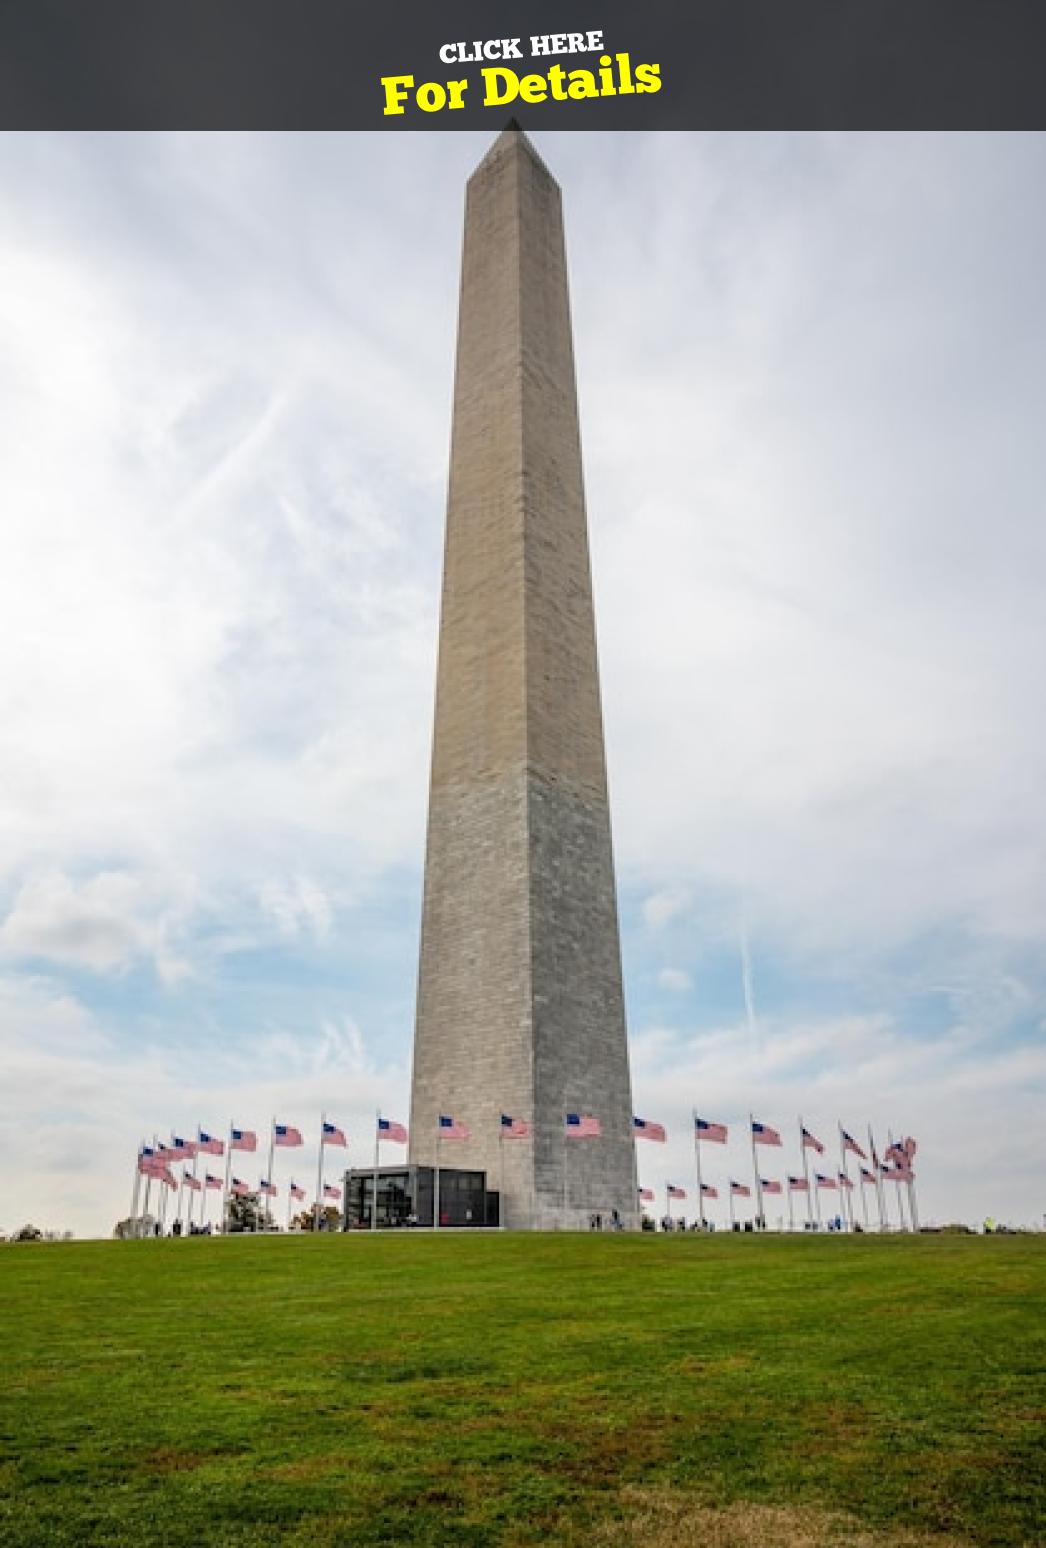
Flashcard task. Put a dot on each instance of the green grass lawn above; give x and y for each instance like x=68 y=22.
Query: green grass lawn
x=476 y=1389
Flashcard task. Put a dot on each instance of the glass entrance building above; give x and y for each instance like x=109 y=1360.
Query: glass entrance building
x=405 y=1197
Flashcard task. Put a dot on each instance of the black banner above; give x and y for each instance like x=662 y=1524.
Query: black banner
x=597 y=64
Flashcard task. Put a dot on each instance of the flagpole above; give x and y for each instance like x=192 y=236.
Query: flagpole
x=195 y=1160
x=791 y=1221
x=566 y=1153
x=864 y=1198
x=501 y=1173
x=700 y=1189
x=149 y=1183
x=730 y=1197
x=897 y=1184
x=435 y=1190
x=806 y=1173
x=134 y=1193
x=374 y=1195
x=225 y=1190
x=843 y=1189
x=319 y=1177
x=912 y=1207
x=290 y=1201
x=760 y=1218
x=268 y=1175
x=874 y=1159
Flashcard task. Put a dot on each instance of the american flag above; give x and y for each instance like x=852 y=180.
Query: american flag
x=762 y=1134
x=450 y=1128
x=866 y=1175
x=825 y=1182
x=514 y=1128
x=269 y=1189
x=716 y=1132
x=811 y=1142
x=581 y=1126
x=286 y=1134
x=849 y=1143
x=213 y=1182
x=182 y=1149
x=676 y=1193
x=297 y=1192
x=647 y=1195
x=844 y=1181
x=168 y=1177
x=164 y=1154
x=708 y=1192
x=148 y=1161
x=650 y=1131
x=192 y=1182
x=243 y=1139
x=388 y=1129
x=798 y=1185
x=330 y=1192
x=769 y=1187
x=740 y=1190
x=332 y=1135
x=207 y=1145
x=240 y=1189
x=898 y=1174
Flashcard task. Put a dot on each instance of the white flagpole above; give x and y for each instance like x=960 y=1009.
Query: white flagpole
x=806 y=1174
x=760 y=1219
x=791 y=1222
x=668 y=1205
x=566 y=1152
x=864 y=1198
x=700 y=1189
x=290 y=1201
x=843 y=1189
x=730 y=1197
x=374 y=1195
x=225 y=1190
x=195 y=1160
x=873 y=1158
x=435 y=1191
x=897 y=1185
x=501 y=1171
x=134 y=1193
x=912 y=1209
x=319 y=1178
x=149 y=1184
x=268 y=1176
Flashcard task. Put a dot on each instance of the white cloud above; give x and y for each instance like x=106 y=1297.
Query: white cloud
x=675 y=979
x=662 y=907
x=103 y=924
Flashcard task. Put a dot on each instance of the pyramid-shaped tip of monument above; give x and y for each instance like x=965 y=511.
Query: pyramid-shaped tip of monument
x=513 y=138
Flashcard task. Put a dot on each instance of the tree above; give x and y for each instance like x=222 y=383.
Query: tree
x=330 y=1219
x=245 y=1212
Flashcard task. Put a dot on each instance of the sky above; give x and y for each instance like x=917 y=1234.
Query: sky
x=812 y=400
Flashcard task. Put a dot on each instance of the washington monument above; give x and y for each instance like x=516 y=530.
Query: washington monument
x=520 y=1007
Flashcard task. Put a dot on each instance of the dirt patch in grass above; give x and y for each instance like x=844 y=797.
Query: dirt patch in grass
x=169 y=1460
x=665 y=1519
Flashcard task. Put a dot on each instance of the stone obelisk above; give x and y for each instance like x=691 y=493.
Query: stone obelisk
x=520 y=1006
